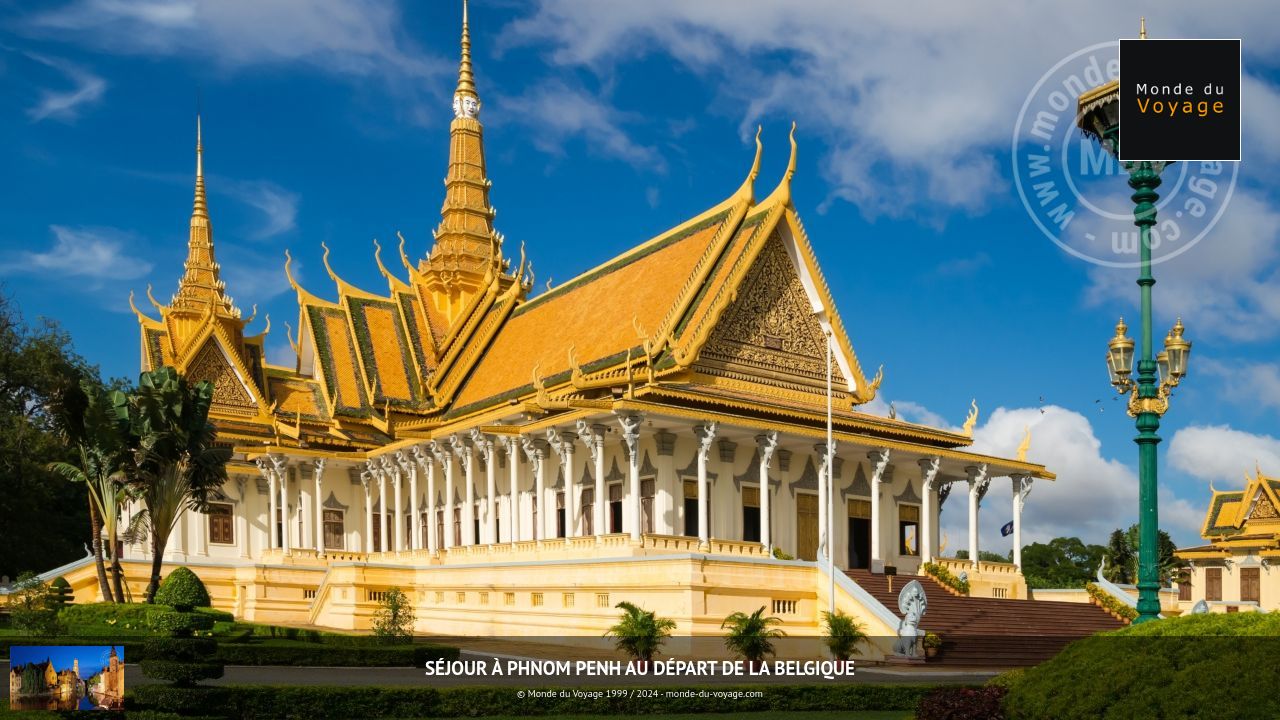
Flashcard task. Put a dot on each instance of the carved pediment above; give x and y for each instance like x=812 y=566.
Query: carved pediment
x=211 y=364
x=771 y=328
x=1264 y=509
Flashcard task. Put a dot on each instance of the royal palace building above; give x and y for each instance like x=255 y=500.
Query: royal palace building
x=653 y=430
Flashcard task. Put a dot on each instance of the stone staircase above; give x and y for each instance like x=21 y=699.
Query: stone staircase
x=990 y=632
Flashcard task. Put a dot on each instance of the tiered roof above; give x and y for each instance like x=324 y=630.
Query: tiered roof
x=727 y=313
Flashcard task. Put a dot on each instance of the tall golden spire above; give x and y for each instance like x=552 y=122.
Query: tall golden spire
x=201 y=287
x=467 y=248
x=1142 y=28
x=466 y=81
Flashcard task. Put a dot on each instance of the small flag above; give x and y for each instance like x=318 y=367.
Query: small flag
x=1007 y=529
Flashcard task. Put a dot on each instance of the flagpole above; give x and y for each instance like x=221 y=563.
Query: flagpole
x=830 y=499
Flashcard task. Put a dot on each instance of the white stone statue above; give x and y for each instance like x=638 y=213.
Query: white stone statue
x=912 y=604
x=1200 y=608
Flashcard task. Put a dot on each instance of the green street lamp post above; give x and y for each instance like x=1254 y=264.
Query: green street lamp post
x=1098 y=117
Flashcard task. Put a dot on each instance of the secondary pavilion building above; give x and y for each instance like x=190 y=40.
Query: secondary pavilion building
x=653 y=429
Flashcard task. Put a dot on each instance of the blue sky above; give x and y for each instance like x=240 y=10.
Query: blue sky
x=608 y=122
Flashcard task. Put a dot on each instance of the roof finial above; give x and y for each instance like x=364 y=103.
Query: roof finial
x=1142 y=27
x=466 y=101
x=200 y=209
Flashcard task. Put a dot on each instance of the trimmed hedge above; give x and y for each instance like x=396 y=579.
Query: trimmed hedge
x=320 y=703
x=1108 y=602
x=944 y=576
x=180 y=623
x=1211 y=665
x=183 y=590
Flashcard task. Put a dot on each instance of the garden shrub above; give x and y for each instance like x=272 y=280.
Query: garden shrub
x=1109 y=602
x=107 y=614
x=962 y=703
x=1176 y=667
x=183 y=590
x=181 y=659
x=393 y=621
x=180 y=624
x=944 y=576
x=32 y=607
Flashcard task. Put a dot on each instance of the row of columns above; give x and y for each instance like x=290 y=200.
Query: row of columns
x=424 y=459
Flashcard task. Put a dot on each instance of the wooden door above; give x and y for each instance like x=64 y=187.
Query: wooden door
x=807 y=526
x=1250 y=588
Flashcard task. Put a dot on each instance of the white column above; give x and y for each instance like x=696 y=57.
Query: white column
x=264 y=466
x=366 y=480
x=978 y=482
x=593 y=439
x=928 y=478
x=383 y=535
x=767 y=443
x=319 y=503
x=879 y=461
x=202 y=539
x=449 y=470
x=705 y=434
x=391 y=466
x=485 y=446
x=413 y=463
x=536 y=451
x=512 y=447
x=242 y=518
x=433 y=539
x=562 y=443
x=281 y=465
x=1021 y=488
x=631 y=436
x=463 y=449
x=824 y=465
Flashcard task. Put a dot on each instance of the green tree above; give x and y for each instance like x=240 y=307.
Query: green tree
x=44 y=521
x=640 y=633
x=752 y=636
x=174 y=464
x=88 y=422
x=183 y=590
x=33 y=606
x=986 y=556
x=1166 y=563
x=1064 y=562
x=1121 y=558
x=393 y=621
x=844 y=635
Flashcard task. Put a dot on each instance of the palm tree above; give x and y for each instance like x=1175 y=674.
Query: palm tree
x=844 y=635
x=640 y=633
x=752 y=636
x=86 y=419
x=174 y=464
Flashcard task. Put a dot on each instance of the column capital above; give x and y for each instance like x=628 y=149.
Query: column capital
x=279 y=463
x=978 y=480
x=441 y=452
x=535 y=449
x=631 y=430
x=929 y=471
x=421 y=455
x=705 y=435
x=766 y=443
x=366 y=479
x=1022 y=486
x=461 y=446
x=561 y=441
x=879 y=460
x=319 y=464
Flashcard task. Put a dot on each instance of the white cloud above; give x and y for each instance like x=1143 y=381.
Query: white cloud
x=66 y=105
x=94 y=253
x=279 y=206
x=916 y=107
x=359 y=39
x=254 y=277
x=1227 y=286
x=559 y=112
x=1254 y=385
x=1222 y=454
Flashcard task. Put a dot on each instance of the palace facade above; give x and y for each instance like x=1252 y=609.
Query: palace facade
x=652 y=430
x=1232 y=571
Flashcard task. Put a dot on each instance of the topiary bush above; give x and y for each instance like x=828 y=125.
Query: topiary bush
x=181 y=659
x=183 y=590
x=60 y=593
x=1184 y=667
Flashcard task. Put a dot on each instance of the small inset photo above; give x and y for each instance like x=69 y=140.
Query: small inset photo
x=66 y=677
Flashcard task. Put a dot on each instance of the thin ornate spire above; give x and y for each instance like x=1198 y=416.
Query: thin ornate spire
x=201 y=209
x=466 y=81
x=1142 y=27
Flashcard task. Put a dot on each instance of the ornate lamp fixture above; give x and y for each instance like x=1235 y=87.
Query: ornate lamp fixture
x=1171 y=364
